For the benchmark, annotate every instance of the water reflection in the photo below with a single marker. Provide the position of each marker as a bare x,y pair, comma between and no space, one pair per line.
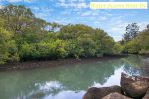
66,82
67,95
112,80
145,67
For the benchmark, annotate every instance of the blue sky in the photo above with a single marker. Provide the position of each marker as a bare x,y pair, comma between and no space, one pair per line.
78,12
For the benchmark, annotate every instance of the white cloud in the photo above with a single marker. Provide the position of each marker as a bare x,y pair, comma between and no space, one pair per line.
117,38
102,18
143,25
90,13
29,1
1,6
87,13
72,4
66,1
119,29
94,15
117,26
35,8
14,1
42,12
67,12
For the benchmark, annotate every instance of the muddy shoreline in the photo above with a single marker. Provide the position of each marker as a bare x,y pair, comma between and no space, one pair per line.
53,63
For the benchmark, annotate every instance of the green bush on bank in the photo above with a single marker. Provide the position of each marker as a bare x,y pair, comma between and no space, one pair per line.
8,48
139,44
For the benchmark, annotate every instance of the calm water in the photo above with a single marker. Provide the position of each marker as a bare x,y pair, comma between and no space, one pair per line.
67,82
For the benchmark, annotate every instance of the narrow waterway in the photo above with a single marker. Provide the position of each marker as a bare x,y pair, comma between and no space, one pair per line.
68,81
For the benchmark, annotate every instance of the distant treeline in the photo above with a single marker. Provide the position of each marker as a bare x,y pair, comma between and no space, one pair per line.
25,37
135,41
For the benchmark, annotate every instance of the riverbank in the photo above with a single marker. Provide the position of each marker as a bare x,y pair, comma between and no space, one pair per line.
52,63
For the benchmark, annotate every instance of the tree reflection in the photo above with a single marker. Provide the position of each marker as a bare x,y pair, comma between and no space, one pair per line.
53,81
145,67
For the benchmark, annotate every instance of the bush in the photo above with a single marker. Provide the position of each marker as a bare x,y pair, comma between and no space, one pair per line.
44,50
132,47
73,49
8,48
143,51
117,49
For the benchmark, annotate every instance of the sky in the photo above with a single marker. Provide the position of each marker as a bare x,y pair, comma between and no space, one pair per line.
78,12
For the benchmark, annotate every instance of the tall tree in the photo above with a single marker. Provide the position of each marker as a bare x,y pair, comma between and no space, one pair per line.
132,31
17,18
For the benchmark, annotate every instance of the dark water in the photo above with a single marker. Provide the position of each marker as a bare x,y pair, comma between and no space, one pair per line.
67,82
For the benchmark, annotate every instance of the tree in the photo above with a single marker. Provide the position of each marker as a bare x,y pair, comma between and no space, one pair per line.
104,42
25,37
87,45
132,31
118,48
139,44
132,47
8,49
75,31
17,18
144,41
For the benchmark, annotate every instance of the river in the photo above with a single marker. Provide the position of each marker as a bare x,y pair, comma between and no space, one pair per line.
67,81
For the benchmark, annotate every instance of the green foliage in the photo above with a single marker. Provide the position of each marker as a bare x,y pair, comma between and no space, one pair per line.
139,44
87,45
17,18
13,51
132,31
44,50
144,51
8,49
4,37
118,48
91,42
132,46
73,49
144,41
33,38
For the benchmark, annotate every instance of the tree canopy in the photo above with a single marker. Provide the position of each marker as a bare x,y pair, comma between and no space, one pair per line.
139,44
26,37
132,31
